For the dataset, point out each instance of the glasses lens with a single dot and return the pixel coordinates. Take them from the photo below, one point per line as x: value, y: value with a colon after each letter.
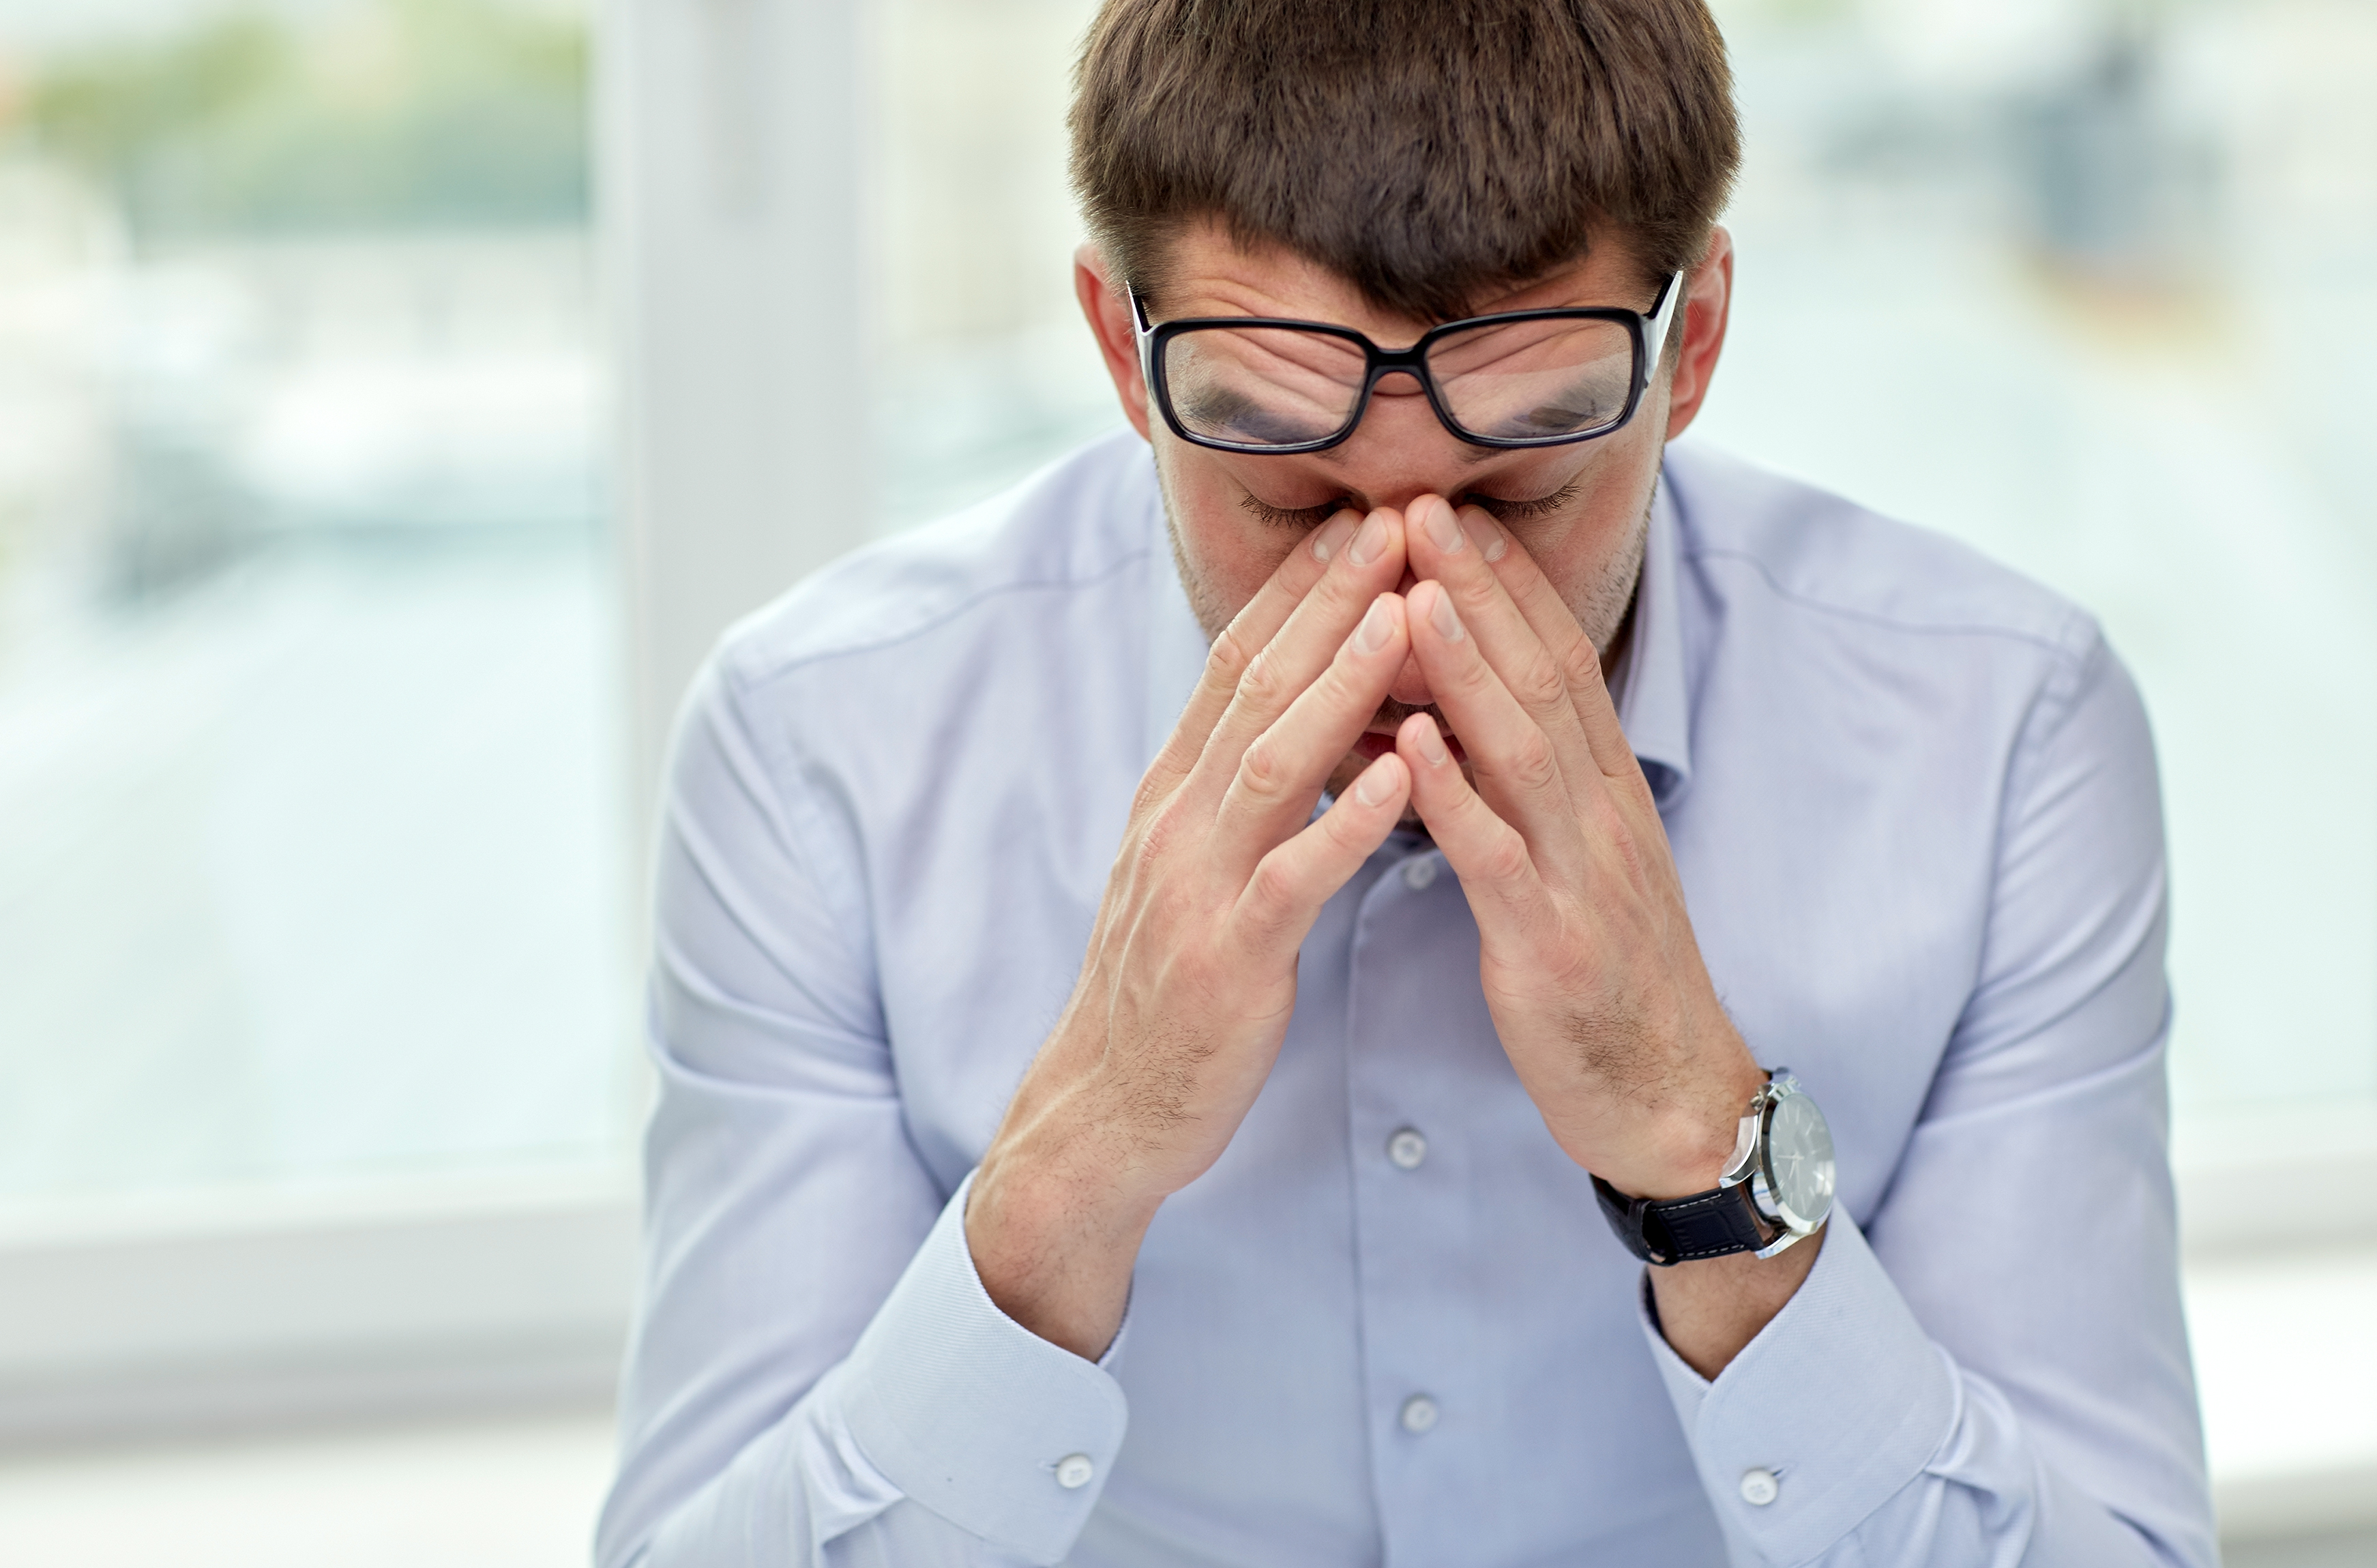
x: 1262, y: 385
x: 1534, y: 380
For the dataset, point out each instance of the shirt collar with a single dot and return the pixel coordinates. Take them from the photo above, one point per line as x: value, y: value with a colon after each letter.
x: 1177, y: 647
x: 1654, y: 700
x: 1653, y: 705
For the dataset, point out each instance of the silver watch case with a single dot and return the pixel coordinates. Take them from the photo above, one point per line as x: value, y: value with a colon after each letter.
x: 1784, y: 1150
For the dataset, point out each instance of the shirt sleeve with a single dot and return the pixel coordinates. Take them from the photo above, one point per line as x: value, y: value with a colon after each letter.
x: 818, y: 1375
x: 1993, y: 1367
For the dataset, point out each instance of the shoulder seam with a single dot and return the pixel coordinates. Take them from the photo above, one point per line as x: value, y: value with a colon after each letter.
x: 751, y: 681
x: 2061, y: 644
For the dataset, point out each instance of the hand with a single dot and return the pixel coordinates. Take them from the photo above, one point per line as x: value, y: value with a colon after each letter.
x: 1587, y: 955
x: 1586, y: 951
x: 1190, y: 977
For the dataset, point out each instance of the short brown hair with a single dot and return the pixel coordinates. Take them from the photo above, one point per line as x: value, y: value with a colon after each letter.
x: 1425, y: 149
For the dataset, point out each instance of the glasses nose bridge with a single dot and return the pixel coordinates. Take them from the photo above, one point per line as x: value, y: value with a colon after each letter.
x: 1411, y: 361
x: 1385, y: 363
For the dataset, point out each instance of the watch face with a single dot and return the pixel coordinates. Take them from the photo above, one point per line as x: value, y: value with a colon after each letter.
x: 1799, y: 1160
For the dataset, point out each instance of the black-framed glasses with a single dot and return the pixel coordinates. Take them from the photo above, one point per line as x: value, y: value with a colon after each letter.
x: 1524, y: 378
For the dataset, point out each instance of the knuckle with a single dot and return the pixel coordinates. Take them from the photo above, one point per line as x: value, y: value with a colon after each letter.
x: 1264, y: 684
x: 1335, y: 685
x: 1506, y: 857
x: 1342, y: 831
x: 1155, y: 840
x: 1272, y: 891
x: 1334, y: 591
x: 1230, y: 657
x: 1474, y: 590
x: 1532, y: 765
x: 1161, y: 782
x: 1261, y: 773
x: 1471, y: 674
x: 1582, y: 665
x: 1540, y: 685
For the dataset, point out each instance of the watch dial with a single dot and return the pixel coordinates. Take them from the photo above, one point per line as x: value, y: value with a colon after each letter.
x: 1799, y: 1159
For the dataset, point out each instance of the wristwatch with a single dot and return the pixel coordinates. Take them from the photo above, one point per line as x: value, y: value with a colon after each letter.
x: 1777, y: 1189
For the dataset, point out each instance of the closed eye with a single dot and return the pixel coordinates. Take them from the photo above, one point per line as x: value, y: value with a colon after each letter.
x: 1495, y: 506
x: 1305, y: 517
x: 1501, y: 510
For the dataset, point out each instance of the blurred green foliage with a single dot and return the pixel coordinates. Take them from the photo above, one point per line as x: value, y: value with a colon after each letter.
x: 377, y: 114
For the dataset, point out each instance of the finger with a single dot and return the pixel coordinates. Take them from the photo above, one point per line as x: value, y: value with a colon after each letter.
x: 1487, y: 853
x: 1517, y: 771
x: 1371, y: 564
x: 1441, y: 549
x: 1290, y: 884
x: 1282, y: 770
x: 1247, y: 635
x: 1571, y: 650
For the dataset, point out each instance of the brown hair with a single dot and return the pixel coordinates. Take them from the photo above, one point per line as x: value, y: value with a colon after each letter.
x: 1425, y: 149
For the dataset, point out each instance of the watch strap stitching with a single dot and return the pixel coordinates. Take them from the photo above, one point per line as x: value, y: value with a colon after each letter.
x: 1715, y: 1223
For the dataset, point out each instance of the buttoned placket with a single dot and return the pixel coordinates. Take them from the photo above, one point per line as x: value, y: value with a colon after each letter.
x: 1413, y: 1007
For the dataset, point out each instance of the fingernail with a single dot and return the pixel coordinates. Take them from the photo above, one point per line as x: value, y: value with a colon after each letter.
x: 1376, y: 627
x: 1376, y: 786
x: 1441, y: 615
x: 1431, y: 745
x: 1443, y: 528
x: 1484, y: 534
x: 1333, y: 536
x: 1370, y: 541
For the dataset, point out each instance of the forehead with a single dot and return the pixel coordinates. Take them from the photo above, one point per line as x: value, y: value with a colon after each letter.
x: 1207, y: 272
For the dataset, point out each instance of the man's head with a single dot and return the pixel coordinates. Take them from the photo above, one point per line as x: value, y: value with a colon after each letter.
x: 1388, y: 166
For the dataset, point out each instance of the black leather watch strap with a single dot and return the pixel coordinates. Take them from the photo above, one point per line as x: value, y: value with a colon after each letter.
x: 1713, y: 1223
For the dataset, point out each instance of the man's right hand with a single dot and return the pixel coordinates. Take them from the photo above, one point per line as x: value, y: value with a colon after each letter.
x: 1190, y: 977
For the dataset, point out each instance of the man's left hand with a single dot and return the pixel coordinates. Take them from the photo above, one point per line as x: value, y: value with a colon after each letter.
x: 1586, y: 952
x: 1587, y: 955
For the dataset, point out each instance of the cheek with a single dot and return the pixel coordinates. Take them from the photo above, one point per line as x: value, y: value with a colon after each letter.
x: 1568, y: 549
x: 1578, y: 549
x: 1230, y: 554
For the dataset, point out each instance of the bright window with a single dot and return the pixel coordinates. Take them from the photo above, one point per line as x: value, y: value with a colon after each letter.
x: 312, y: 848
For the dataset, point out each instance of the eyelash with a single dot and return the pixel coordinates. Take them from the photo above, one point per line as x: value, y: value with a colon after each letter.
x: 1494, y: 506
x: 1542, y: 506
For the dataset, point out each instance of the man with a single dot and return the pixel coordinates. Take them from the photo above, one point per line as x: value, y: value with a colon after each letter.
x: 1318, y: 1137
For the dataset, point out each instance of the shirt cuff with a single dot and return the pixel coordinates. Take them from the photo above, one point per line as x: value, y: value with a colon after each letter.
x: 1838, y: 1404
x: 966, y: 1411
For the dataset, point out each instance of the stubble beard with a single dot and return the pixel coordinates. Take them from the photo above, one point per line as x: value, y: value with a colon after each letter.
x: 1603, y: 606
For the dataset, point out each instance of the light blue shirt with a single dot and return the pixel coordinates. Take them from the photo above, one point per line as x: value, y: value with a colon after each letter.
x: 1914, y: 803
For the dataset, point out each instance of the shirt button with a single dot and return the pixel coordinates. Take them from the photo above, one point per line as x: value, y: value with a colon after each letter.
x: 1419, y: 871
x: 1759, y: 1488
x: 1074, y: 1470
x: 1418, y: 1413
x: 1406, y: 1149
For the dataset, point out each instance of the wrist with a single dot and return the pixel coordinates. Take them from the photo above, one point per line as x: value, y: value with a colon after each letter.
x: 1687, y: 1143
x: 1054, y: 1239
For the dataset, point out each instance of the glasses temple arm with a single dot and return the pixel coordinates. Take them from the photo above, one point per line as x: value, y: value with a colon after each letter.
x: 1662, y: 316
x: 1145, y: 331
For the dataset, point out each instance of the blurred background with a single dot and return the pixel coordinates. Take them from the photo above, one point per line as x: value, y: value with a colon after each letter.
x: 395, y: 395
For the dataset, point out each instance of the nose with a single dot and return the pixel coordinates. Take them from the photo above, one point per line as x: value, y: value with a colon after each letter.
x: 1411, y: 687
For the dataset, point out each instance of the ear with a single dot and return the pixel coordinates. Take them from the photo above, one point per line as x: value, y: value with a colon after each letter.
x: 1708, y: 301
x: 1107, y: 309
